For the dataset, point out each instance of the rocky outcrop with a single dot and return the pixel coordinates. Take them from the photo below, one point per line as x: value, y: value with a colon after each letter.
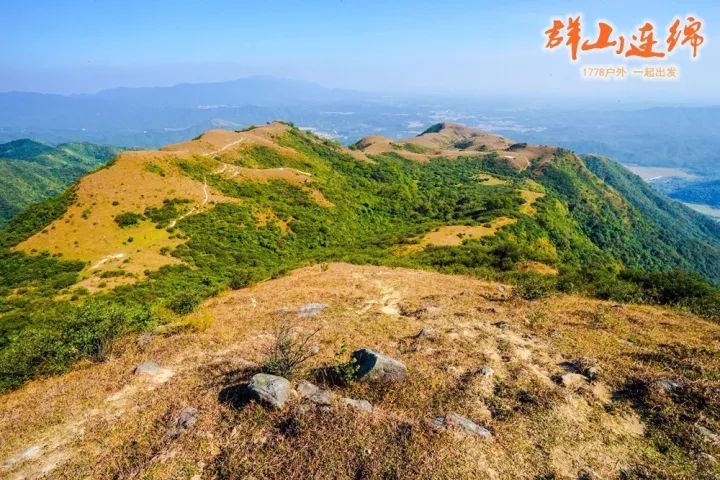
x: 362, y: 405
x: 271, y: 390
x: 313, y: 394
x: 377, y: 367
x: 454, y: 420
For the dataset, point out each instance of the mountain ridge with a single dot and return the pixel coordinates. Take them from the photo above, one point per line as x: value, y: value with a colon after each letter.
x: 169, y: 228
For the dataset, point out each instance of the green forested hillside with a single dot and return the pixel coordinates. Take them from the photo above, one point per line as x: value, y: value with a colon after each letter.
x: 626, y: 217
x: 614, y: 240
x: 32, y: 171
x: 706, y: 193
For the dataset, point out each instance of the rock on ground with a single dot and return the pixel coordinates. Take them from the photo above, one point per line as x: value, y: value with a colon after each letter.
x: 363, y: 405
x: 572, y: 380
x: 314, y: 394
x: 186, y: 420
x: 667, y: 385
x: 270, y: 389
x: 311, y: 309
x: 154, y: 372
x: 455, y: 420
x: 378, y: 367
x: 147, y: 368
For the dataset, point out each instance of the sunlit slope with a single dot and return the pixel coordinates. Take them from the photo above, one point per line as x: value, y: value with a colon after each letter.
x: 156, y: 233
x: 127, y: 219
x: 510, y: 365
x: 146, y: 183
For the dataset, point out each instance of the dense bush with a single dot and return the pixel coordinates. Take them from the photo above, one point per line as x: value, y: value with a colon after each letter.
x: 128, y: 219
x: 66, y: 335
x: 171, y: 209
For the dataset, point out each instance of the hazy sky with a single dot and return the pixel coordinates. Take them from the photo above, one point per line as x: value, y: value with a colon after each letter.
x: 441, y: 46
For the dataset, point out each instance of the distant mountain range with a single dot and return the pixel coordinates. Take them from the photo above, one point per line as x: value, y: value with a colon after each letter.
x: 156, y: 116
x: 682, y: 137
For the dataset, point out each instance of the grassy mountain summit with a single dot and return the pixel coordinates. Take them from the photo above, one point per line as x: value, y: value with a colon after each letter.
x: 31, y: 171
x: 143, y: 244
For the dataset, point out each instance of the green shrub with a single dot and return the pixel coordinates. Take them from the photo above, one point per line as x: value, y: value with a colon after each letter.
x: 171, y: 209
x: 240, y: 280
x: 183, y: 303
x: 128, y: 219
x: 345, y: 371
x: 67, y: 335
x: 155, y: 168
x: 379, y: 205
x: 535, y: 287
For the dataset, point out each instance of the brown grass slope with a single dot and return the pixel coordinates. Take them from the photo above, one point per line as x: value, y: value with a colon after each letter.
x: 101, y: 421
x: 452, y: 140
x: 140, y: 180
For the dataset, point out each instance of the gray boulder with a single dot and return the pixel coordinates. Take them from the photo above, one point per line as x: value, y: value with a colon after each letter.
x: 667, y: 385
x: 377, y: 367
x: 313, y: 394
x: 147, y: 368
x: 271, y: 390
x: 362, y: 405
x: 453, y: 420
x: 154, y: 372
x: 311, y: 309
x: 186, y: 420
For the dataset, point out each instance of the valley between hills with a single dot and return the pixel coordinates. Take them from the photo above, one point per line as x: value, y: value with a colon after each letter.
x: 557, y: 303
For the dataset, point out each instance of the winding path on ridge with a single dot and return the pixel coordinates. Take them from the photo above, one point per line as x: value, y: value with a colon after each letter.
x: 195, y: 209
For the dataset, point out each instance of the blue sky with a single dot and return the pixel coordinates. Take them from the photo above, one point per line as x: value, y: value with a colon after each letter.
x: 463, y: 47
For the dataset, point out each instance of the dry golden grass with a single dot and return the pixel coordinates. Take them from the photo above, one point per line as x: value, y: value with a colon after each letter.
x: 530, y: 198
x: 522, y: 158
x: 453, y: 141
x: 537, y: 267
x: 88, y: 231
x: 101, y: 421
x: 453, y: 235
x: 220, y: 142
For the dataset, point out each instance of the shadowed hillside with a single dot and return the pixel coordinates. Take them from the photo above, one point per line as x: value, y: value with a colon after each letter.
x: 32, y: 171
